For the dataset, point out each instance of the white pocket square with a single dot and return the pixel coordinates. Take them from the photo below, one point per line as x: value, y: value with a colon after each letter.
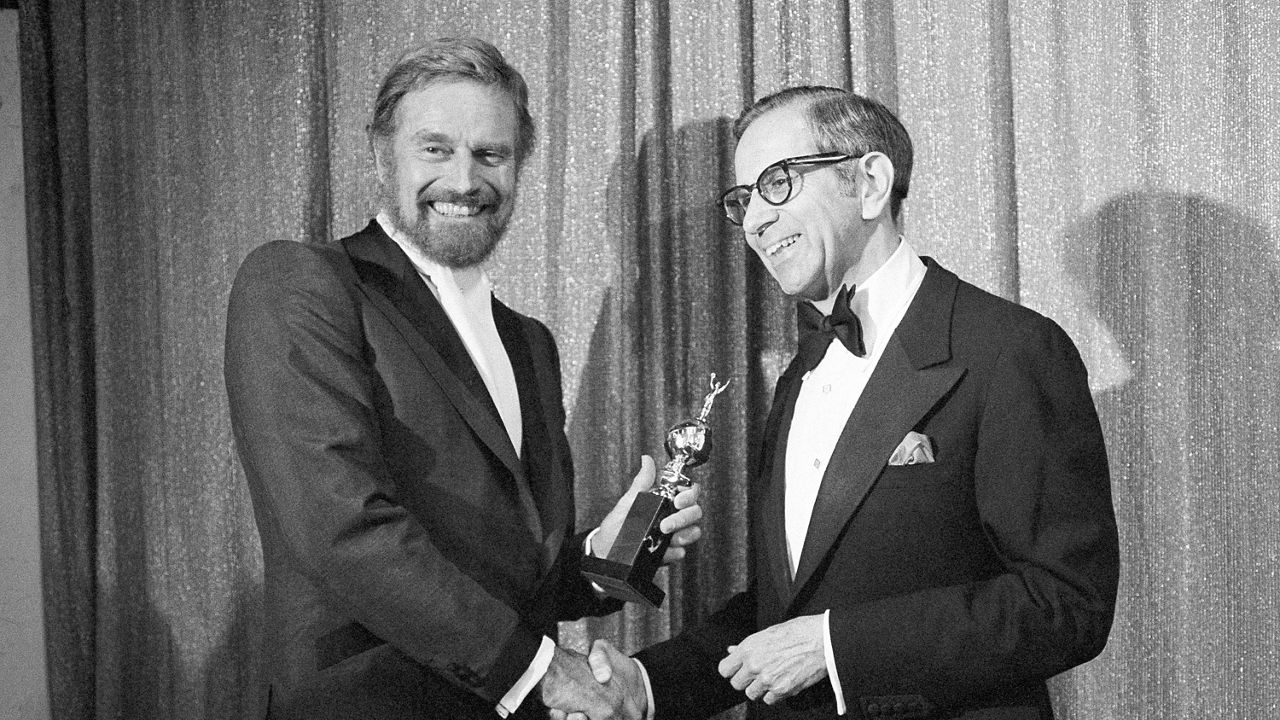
x: 915, y: 449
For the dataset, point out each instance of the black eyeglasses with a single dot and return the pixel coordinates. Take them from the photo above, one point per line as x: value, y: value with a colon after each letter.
x: 776, y: 184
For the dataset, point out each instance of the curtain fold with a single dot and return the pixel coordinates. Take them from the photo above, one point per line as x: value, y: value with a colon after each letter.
x: 57, y: 177
x: 1112, y: 165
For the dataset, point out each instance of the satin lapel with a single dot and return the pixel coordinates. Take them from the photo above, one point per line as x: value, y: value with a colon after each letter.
x: 394, y: 288
x: 911, y: 376
x: 536, y: 381
x: 771, y: 501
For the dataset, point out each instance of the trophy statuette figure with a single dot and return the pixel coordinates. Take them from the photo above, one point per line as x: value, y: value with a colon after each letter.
x: 627, y: 573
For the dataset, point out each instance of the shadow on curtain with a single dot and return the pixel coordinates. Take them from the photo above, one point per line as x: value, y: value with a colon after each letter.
x: 1187, y: 285
x: 687, y: 303
x: 1113, y: 165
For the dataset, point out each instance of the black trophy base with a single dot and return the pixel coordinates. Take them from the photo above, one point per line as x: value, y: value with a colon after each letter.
x: 636, y: 555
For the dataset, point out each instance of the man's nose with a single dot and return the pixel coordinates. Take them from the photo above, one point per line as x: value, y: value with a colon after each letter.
x: 460, y: 174
x: 759, y: 215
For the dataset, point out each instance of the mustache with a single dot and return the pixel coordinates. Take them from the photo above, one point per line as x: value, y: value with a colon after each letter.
x: 477, y: 196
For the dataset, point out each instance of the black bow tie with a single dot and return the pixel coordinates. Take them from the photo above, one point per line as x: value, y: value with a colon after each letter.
x: 817, y: 330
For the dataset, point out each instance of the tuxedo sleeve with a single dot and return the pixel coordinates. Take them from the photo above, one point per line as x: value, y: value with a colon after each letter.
x: 684, y: 671
x: 574, y: 595
x: 302, y: 391
x: 1042, y: 490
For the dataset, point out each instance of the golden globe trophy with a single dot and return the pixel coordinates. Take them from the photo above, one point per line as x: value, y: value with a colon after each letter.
x: 627, y: 573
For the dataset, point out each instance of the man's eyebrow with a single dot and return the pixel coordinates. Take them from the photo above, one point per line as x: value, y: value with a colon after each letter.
x: 499, y: 147
x: 424, y: 136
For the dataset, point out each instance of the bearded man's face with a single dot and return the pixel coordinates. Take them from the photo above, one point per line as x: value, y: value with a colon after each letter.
x: 448, y: 173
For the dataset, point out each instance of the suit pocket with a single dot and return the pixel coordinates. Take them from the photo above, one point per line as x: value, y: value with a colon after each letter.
x: 920, y: 476
x: 344, y: 643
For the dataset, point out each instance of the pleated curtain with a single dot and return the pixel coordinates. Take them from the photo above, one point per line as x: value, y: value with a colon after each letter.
x: 1114, y: 165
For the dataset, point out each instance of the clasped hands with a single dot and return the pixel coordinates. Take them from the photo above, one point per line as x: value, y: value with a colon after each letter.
x: 612, y: 687
x: 770, y: 665
x: 609, y: 688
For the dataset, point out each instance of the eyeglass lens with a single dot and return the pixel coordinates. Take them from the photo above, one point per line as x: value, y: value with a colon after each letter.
x: 774, y: 184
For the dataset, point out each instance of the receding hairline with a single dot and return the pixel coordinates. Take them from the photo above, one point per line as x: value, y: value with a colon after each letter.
x: 451, y: 60
x: 840, y: 120
x: 801, y: 99
x: 425, y: 84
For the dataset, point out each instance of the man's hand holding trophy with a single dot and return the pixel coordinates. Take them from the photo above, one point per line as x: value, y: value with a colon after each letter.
x: 637, y: 550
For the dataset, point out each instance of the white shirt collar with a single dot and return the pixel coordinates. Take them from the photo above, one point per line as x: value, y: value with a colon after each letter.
x: 882, y: 299
x: 466, y: 295
x: 470, y: 281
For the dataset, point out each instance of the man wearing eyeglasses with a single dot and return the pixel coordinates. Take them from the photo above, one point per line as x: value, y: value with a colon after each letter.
x: 932, y: 526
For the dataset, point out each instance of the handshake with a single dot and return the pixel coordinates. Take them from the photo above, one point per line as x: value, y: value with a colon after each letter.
x: 610, y: 684
x: 605, y: 686
x: 768, y: 666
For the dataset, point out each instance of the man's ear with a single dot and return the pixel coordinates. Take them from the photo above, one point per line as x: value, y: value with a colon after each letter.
x: 877, y: 168
x: 380, y: 148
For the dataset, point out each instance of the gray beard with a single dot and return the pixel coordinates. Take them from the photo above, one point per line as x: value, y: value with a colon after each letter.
x: 455, y: 245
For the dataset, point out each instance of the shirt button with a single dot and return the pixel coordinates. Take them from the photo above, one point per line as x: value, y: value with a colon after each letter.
x: 826, y: 388
x: 817, y: 463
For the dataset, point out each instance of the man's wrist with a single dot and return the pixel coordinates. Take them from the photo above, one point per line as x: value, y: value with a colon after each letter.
x: 588, y: 552
x: 586, y: 543
x: 529, y: 680
x: 829, y: 656
x: 648, y: 690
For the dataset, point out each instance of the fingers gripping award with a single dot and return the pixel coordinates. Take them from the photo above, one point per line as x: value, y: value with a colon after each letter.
x: 627, y: 573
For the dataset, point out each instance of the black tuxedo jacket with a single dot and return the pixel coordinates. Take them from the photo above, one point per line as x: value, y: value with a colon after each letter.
x: 412, y: 560
x: 955, y: 587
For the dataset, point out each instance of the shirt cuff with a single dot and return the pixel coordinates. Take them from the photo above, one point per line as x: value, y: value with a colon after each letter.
x: 830, y: 657
x: 586, y: 550
x: 648, y: 690
x: 586, y: 542
x: 529, y: 680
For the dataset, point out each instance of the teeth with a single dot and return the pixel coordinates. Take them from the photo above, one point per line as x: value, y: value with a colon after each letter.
x: 454, y: 210
x: 779, y: 246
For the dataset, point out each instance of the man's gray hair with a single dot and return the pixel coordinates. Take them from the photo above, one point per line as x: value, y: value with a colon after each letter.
x: 451, y: 59
x: 845, y: 122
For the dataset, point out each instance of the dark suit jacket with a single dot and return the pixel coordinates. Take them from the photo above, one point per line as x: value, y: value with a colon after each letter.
x: 412, y: 560
x: 957, y: 587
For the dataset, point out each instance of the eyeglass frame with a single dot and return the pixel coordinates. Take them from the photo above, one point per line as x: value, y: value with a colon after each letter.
x: 820, y: 159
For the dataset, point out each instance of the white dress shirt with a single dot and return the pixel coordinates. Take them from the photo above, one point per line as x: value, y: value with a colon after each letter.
x: 827, y: 396
x: 467, y: 298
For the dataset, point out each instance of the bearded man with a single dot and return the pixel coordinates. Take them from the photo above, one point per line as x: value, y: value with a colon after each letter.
x: 402, y: 433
